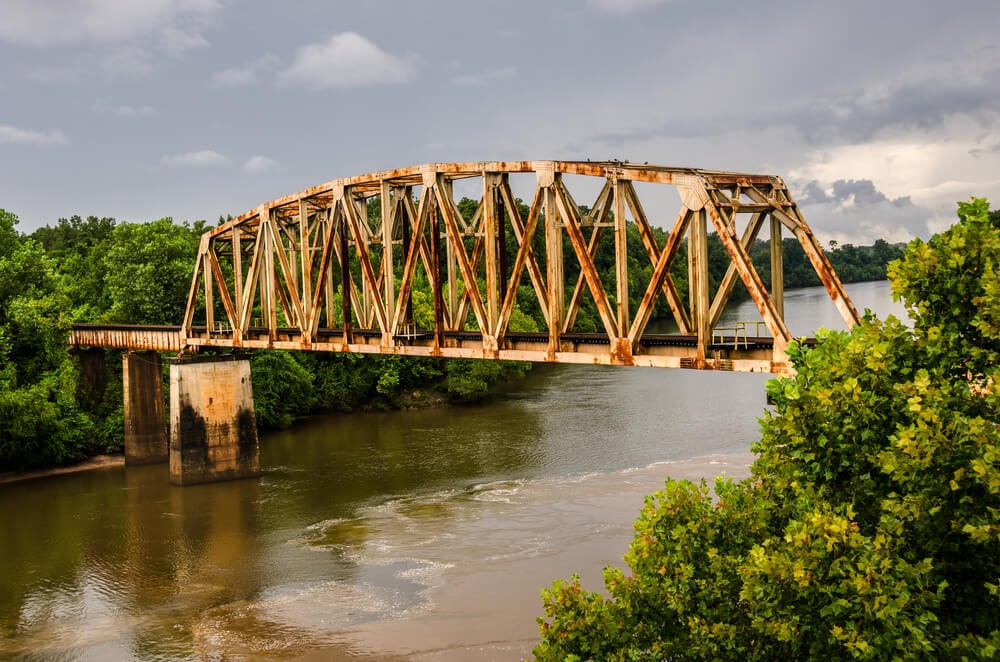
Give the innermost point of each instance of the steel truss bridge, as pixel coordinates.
(316, 271)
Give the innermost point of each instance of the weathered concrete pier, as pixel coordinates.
(213, 428)
(142, 390)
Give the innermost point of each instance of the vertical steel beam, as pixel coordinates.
(501, 237)
(698, 281)
(345, 279)
(621, 258)
(362, 247)
(407, 222)
(209, 299)
(306, 255)
(435, 232)
(327, 273)
(553, 260)
(777, 268)
(388, 284)
(450, 240)
(238, 282)
(491, 222)
(268, 296)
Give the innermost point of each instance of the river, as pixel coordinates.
(408, 535)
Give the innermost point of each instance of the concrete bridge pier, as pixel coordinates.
(213, 428)
(145, 421)
(93, 376)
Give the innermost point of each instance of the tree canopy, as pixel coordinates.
(870, 525)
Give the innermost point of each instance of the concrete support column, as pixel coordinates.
(213, 428)
(145, 422)
(93, 377)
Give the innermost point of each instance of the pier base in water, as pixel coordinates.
(213, 429)
(145, 421)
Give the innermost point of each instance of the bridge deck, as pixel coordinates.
(749, 354)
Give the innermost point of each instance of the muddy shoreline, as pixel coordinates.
(90, 464)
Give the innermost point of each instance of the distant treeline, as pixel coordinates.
(101, 270)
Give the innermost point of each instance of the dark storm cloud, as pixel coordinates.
(983, 151)
(862, 191)
(855, 210)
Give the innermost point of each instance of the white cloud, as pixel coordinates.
(345, 60)
(256, 164)
(486, 77)
(245, 75)
(625, 6)
(200, 159)
(125, 111)
(12, 135)
(176, 23)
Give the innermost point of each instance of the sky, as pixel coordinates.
(879, 116)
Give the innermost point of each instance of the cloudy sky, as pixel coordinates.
(879, 115)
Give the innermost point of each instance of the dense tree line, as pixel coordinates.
(100, 270)
(868, 528)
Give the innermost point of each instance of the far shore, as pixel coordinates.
(91, 463)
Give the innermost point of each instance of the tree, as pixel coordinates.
(40, 422)
(869, 527)
(148, 269)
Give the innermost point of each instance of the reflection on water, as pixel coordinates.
(377, 532)
(108, 564)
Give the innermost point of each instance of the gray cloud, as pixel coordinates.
(983, 151)
(486, 77)
(178, 24)
(245, 75)
(200, 159)
(852, 118)
(856, 211)
(12, 135)
(625, 6)
(124, 110)
(258, 164)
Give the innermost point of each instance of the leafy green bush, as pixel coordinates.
(870, 526)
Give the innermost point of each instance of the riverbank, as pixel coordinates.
(90, 464)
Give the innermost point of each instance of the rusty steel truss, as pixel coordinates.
(273, 277)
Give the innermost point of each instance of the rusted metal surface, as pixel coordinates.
(126, 336)
(314, 271)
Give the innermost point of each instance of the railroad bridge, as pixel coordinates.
(333, 268)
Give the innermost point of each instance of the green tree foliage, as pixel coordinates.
(870, 526)
(78, 246)
(147, 271)
(951, 288)
(282, 388)
(40, 422)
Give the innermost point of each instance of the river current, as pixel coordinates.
(405, 535)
